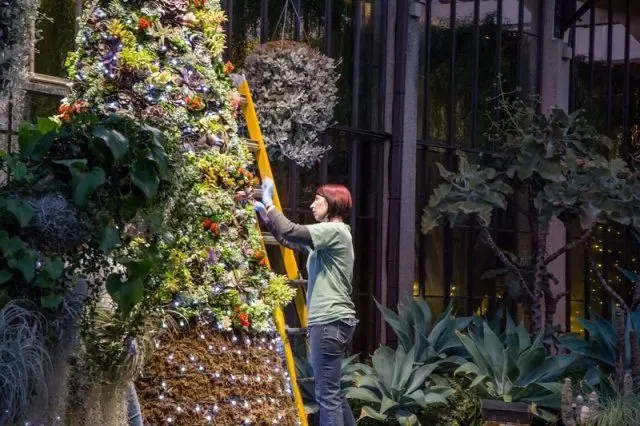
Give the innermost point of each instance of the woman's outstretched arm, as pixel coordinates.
(288, 234)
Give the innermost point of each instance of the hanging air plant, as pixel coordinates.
(295, 92)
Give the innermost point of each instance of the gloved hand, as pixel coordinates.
(261, 210)
(267, 192)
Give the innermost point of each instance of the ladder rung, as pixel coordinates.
(298, 283)
(306, 380)
(257, 192)
(269, 239)
(252, 145)
(296, 331)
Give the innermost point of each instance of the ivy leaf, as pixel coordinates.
(126, 294)
(50, 301)
(26, 264)
(109, 238)
(12, 246)
(145, 178)
(21, 209)
(5, 275)
(115, 141)
(84, 184)
(54, 268)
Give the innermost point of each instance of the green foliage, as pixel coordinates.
(395, 387)
(25, 274)
(600, 349)
(432, 342)
(24, 361)
(514, 369)
(617, 412)
(463, 409)
(304, 370)
(472, 190)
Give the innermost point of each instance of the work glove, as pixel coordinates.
(267, 192)
(261, 210)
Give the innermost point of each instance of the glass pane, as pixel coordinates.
(57, 36)
(41, 105)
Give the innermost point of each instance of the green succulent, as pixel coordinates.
(514, 369)
(600, 349)
(304, 374)
(396, 387)
(432, 341)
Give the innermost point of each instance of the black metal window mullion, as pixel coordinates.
(264, 21)
(324, 163)
(627, 81)
(519, 48)
(592, 42)
(355, 111)
(497, 61)
(609, 91)
(475, 71)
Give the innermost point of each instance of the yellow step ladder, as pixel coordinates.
(256, 144)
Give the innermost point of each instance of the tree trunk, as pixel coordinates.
(540, 283)
(635, 358)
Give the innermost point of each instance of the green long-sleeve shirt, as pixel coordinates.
(330, 265)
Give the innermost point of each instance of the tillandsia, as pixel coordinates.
(295, 97)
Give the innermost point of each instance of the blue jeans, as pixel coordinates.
(328, 344)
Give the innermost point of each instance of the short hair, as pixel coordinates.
(338, 199)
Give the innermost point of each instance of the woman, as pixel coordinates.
(331, 316)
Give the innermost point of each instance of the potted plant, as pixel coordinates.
(396, 388)
(515, 374)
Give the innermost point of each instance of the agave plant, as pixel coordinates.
(304, 374)
(600, 349)
(432, 342)
(514, 369)
(396, 386)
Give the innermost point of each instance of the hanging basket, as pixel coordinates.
(295, 92)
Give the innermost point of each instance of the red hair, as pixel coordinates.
(338, 199)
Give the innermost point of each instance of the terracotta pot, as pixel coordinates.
(499, 413)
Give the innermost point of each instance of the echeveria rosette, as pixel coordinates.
(143, 62)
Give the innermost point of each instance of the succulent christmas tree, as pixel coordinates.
(153, 180)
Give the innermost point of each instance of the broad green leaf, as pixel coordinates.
(434, 398)
(478, 380)
(476, 353)
(50, 301)
(126, 294)
(468, 368)
(631, 276)
(145, 178)
(387, 404)
(21, 209)
(404, 369)
(84, 183)
(406, 418)
(5, 275)
(370, 412)
(55, 268)
(109, 238)
(25, 263)
(419, 376)
(77, 163)
(396, 324)
(115, 141)
(11, 246)
(363, 395)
